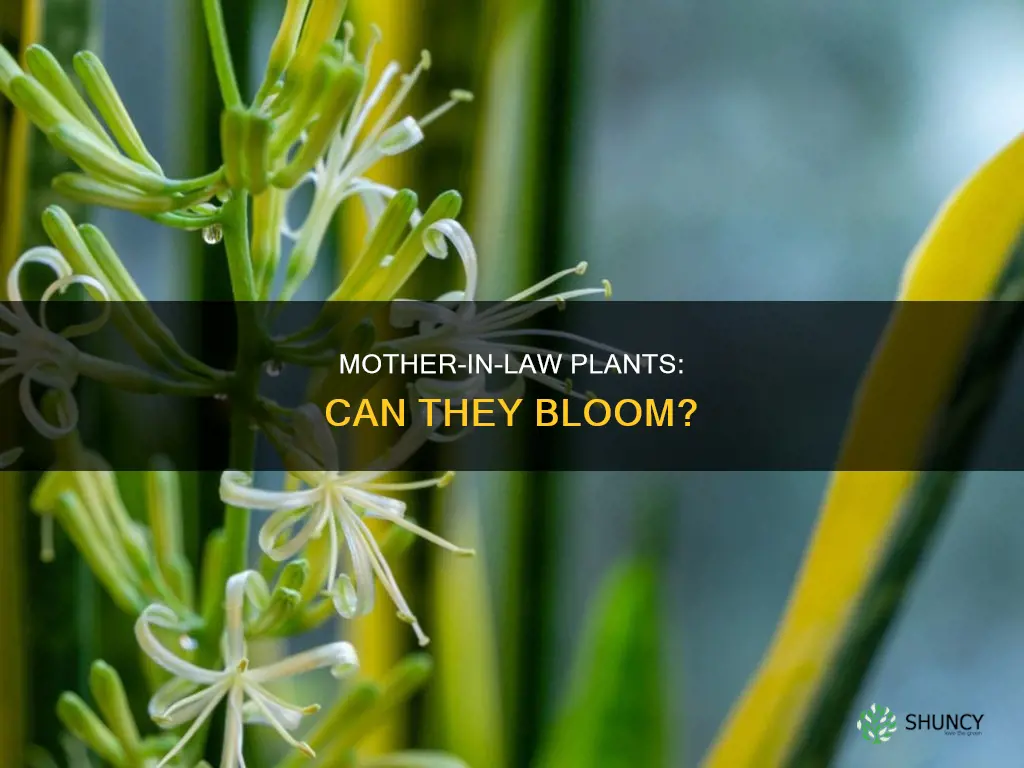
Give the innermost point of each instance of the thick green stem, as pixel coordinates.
(215, 28)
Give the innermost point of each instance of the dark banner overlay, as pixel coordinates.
(587, 385)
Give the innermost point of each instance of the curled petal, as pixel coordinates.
(95, 288)
(241, 586)
(357, 593)
(67, 409)
(282, 521)
(236, 489)
(341, 658)
(157, 615)
(44, 255)
(449, 229)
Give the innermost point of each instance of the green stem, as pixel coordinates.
(214, 16)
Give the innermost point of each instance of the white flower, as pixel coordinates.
(38, 354)
(335, 504)
(360, 145)
(452, 323)
(194, 692)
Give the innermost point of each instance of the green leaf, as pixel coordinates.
(615, 716)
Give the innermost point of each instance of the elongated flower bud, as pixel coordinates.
(40, 106)
(63, 233)
(287, 39)
(232, 139)
(85, 189)
(84, 725)
(9, 70)
(256, 153)
(322, 25)
(384, 284)
(268, 211)
(340, 94)
(45, 68)
(109, 694)
(100, 161)
(108, 102)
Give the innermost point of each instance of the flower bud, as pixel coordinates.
(9, 70)
(383, 241)
(84, 725)
(100, 161)
(287, 39)
(256, 153)
(384, 284)
(109, 694)
(342, 88)
(163, 503)
(232, 139)
(108, 103)
(41, 107)
(268, 211)
(63, 233)
(45, 68)
(322, 25)
(91, 191)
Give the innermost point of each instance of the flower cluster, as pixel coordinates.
(316, 119)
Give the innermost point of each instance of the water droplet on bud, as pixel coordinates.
(213, 234)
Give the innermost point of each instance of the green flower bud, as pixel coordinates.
(109, 694)
(211, 598)
(295, 118)
(384, 284)
(84, 189)
(108, 103)
(322, 25)
(40, 106)
(100, 161)
(66, 238)
(385, 239)
(163, 503)
(343, 86)
(45, 68)
(283, 49)
(256, 153)
(268, 211)
(85, 726)
(9, 70)
(233, 123)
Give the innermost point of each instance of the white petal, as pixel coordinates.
(236, 489)
(453, 231)
(400, 137)
(340, 658)
(282, 521)
(240, 586)
(156, 615)
(178, 702)
(45, 255)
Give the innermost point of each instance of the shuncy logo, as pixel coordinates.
(877, 724)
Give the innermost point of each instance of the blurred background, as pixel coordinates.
(687, 149)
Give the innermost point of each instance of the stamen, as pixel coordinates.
(607, 288)
(408, 81)
(455, 98)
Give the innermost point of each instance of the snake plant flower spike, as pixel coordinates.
(194, 692)
(453, 324)
(335, 504)
(35, 352)
(372, 131)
